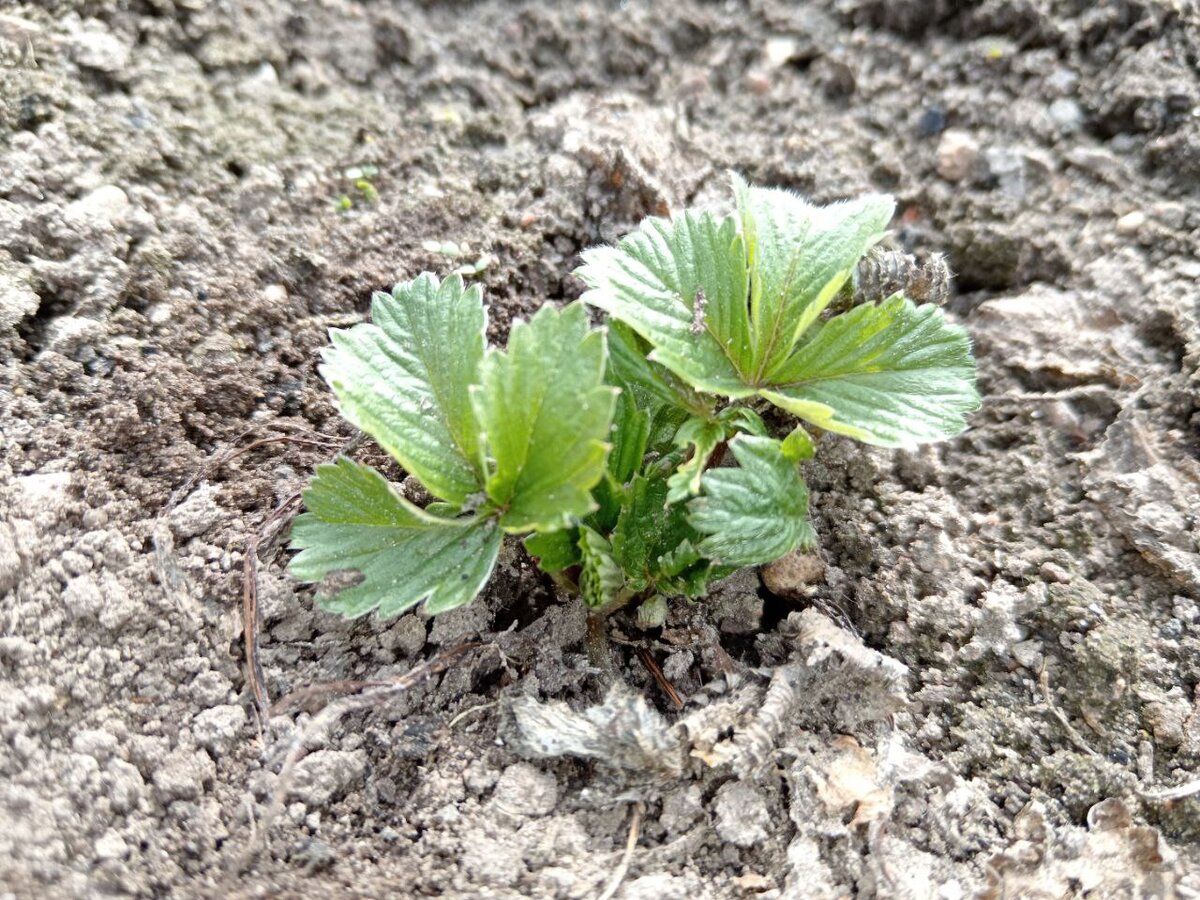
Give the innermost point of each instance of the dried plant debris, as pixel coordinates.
(1112, 858)
(834, 683)
(622, 732)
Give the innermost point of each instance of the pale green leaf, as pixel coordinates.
(403, 379)
(356, 522)
(654, 279)
(894, 374)
(798, 445)
(703, 437)
(545, 413)
(601, 578)
(799, 256)
(754, 513)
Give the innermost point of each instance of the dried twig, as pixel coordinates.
(635, 828)
(1179, 792)
(327, 717)
(660, 677)
(1060, 716)
(470, 711)
(251, 620)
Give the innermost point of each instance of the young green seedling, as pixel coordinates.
(633, 460)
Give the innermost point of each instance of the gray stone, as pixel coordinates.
(656, 887)
(524, 790)
(95, 47)
(82, 597)
(218, 728)
(197, 514)
(111, 846)
(18, 299)
(742, 816)
(183, 774)
(327, 774)
(1066, 114)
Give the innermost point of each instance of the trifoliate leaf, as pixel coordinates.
(356, 522)
(703, 436)
(601, 578)
(545, 413)
(682, 285)
(799, 256)
(403, 380)
(554, 550)
(754, 513)
(894, 375)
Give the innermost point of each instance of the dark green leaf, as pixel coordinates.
(554, 550)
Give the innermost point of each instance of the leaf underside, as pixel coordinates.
(356, 522)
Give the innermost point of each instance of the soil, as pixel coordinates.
(987, 685)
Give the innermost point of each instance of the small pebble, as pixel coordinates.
(932, 121)
(957, 154)
(1131, 223)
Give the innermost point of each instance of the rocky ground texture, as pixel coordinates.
(985, 686)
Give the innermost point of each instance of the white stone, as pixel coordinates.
(1131, 223)
(95, 47)
(111, 846)
(957, 154)
(100, 210)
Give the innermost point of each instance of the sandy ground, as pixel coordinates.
(990, 690)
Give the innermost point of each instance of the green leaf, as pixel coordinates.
(798, 445)
(654, 279)
(653, 612)
(357, 522)
(647, 528)
(650, 384)
(684, 572)
(754, 513)
(403, 379)
(545, 413)
(743, 419)
(894, 375)
(554, 550)
(799, 257)
(703, 436)
(601, 579)
(631, 432)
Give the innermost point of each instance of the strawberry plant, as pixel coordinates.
(633, 459)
